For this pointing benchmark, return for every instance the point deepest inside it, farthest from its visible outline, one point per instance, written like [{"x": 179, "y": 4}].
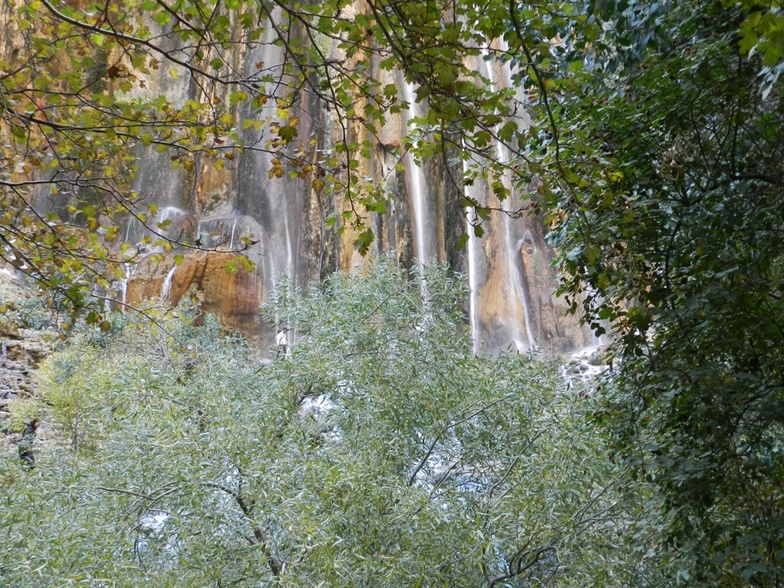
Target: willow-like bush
[{"x": 376, "y": 450}]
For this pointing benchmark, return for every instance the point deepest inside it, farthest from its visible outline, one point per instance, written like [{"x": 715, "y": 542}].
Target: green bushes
[{"x": 376, "y": 452}]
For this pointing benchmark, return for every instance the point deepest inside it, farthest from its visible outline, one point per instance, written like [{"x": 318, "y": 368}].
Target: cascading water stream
[
  {"x": 473, "y": 269},
  {"x": 233, "y": 230},
  {"x": 515, "y": 272},
  {"x": 128, "y": 269},
  {"x": 275, "y": 205},
  {"x": 128, "y": 230},
  {"x": 473, "y": 281},
  {"x": 167, "y": 285},
  {"x": 416, "y": 183}
]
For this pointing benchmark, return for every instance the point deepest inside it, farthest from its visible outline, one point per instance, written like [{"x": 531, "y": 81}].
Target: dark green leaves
[{"x": 664, "y": 160}]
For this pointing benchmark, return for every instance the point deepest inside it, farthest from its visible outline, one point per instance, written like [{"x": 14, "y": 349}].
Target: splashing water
[{"x": 167, "y": 285}]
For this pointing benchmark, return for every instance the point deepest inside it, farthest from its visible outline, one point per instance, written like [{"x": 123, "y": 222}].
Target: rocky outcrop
[
  {"x": 20, "y": 351},
  {"x": 21, "y": 348},
  {"x": 216, "y": 281}
]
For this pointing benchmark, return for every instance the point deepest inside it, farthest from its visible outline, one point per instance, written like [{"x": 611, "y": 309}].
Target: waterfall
[
  {"x": 275, "y": 204},
  {"x": 416, "y": 183},
  {"x": 128, "y": 230},
  {"x": 515, "y": 273},
  {"x": 233, "y": 230},
  {"x": 167, "y": 284},
  {"x": 473, "y": 266},
  {"x": 221, "y": 207},
  {"x": 128, "y": 269}
]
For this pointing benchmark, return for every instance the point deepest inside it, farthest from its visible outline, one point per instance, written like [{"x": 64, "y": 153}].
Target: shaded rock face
[
  {"x": 17, "y": 363},
  {"x": 21, "y": 349}
]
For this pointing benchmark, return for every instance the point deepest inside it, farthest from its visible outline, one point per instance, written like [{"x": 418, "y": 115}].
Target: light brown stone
[{"x": 234, "y": 295}]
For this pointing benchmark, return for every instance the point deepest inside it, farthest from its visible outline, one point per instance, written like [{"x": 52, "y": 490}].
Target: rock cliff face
[
  {"x": 512, "y": 301},
  {"x": 21, "y": 349},
  {"x": 215, "y": 204}
]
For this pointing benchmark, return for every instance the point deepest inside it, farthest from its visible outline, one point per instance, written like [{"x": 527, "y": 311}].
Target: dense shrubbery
[
  {"x": 668, "y": 178},
  {"x": 375, "y": 451}
]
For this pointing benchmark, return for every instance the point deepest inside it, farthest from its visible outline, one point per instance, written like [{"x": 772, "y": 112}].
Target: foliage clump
[
  {"x": 665, "y": 183},
  {"x": 376, "y": 450}
]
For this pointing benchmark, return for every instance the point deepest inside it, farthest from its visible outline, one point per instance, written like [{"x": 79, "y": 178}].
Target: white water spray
[
  {"x": 128, "y": 230},
  {"x": 233, "y": 230},
  {"x": 128, "y": 270},
  {"x": 167, "y": 284},
  {"x": 416, "y": 183}
]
